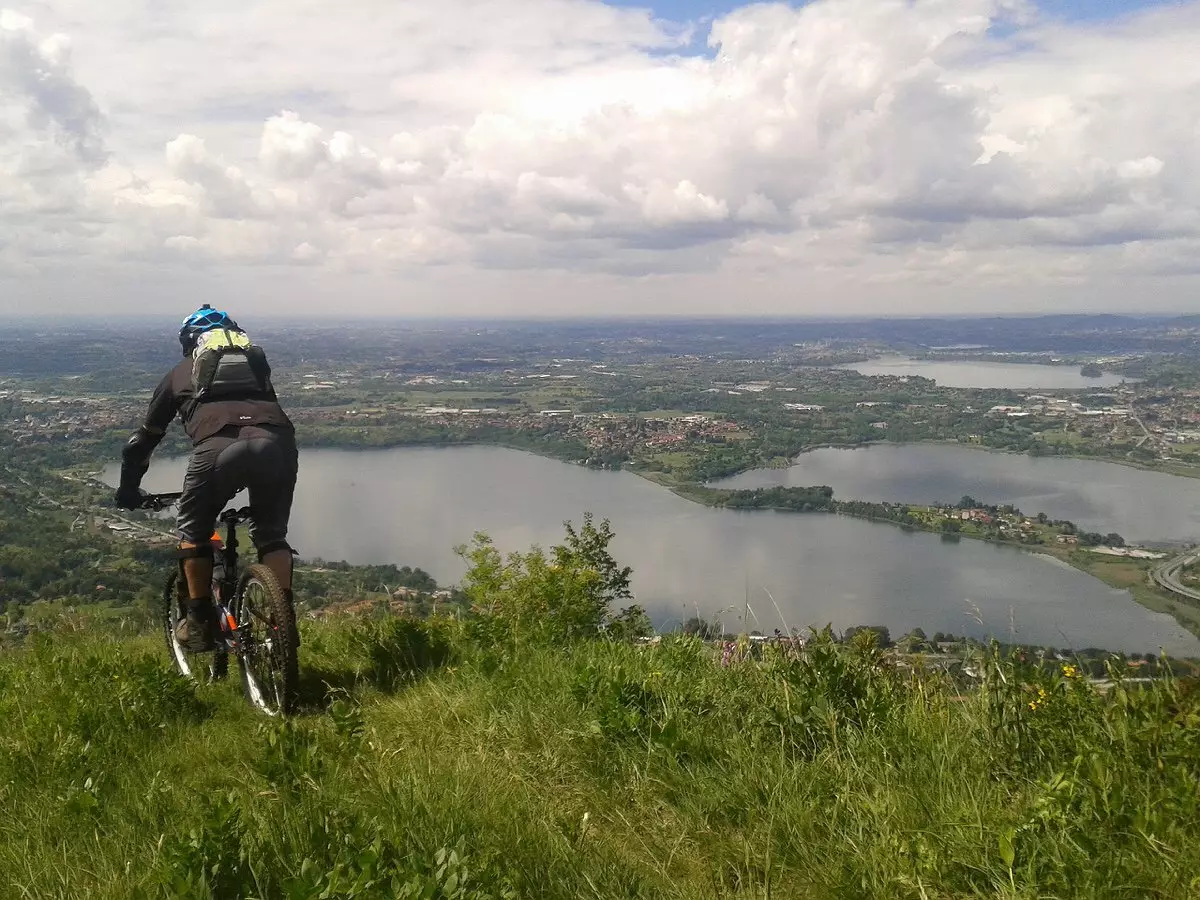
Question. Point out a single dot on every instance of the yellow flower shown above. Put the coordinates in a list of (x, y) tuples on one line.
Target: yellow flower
[(1042, 693), (1070, 671)]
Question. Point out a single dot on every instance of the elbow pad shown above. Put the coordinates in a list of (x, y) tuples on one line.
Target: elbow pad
[(135, 456)]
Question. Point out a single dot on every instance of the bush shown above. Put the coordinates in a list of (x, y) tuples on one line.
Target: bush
[(554, 598)]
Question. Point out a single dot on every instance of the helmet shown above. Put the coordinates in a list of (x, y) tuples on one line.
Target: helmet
[(202, 320)]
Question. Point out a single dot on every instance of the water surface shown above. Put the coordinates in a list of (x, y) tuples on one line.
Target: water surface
[(412, 505), (972, 374), (1137, 504)]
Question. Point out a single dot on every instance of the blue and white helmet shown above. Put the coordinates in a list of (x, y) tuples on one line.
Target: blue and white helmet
[(204, 319)]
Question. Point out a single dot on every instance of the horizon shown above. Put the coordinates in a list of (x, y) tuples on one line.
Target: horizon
[(144, 317)]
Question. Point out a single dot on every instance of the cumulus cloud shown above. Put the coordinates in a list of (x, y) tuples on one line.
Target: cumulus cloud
[(966, 147), (40, 92)]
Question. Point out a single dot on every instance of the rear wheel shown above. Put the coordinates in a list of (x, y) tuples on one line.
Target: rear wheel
[(200, 666), (266, 642)]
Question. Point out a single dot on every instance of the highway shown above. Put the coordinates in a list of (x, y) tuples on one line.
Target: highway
[(1166, 575)]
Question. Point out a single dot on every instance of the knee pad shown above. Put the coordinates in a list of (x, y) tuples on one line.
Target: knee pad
[(272, 546), (183, 554)]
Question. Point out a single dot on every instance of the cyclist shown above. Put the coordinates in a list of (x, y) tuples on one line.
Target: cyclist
[(241, 438)]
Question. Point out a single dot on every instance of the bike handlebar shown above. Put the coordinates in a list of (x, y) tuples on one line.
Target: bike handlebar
[(158, 501)]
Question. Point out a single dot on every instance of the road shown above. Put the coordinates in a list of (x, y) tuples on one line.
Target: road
[(106, 515), (1166, 575)]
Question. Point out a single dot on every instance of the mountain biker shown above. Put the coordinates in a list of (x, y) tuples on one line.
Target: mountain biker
[(241, 438)]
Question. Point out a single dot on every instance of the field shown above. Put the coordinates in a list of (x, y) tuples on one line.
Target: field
[(430, 762)]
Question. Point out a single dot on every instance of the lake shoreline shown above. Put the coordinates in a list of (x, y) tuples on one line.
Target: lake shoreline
[(1147, 596), (1150, 597), (1183, 472), (851, 564), (946, 372)]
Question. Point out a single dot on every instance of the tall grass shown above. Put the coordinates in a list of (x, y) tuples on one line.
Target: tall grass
[(426, 765)]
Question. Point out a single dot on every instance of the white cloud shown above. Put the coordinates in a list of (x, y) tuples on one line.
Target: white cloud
[(663, 204), (290, 148), (879, 152)]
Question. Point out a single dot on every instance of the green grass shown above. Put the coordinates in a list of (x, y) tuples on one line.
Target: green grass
[(423, 765), (1059, 437)]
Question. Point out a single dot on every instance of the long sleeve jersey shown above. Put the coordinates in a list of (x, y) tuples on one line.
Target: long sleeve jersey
[(174, 396)]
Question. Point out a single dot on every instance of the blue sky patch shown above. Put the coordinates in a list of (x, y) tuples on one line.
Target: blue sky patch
[(1075, 10)]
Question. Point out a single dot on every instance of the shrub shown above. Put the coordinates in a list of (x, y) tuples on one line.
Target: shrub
[(554, 598)]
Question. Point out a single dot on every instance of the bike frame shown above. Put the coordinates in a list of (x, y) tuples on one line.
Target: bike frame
[(228, 584), (229, 553), (234, 638)]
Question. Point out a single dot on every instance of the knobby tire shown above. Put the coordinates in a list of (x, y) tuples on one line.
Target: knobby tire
[(170, 613), (274, 672)]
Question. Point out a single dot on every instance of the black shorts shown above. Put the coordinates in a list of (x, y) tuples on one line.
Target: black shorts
[(261, 458)]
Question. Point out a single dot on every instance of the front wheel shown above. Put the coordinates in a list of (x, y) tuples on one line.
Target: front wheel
[(266, 642), (211, 667)]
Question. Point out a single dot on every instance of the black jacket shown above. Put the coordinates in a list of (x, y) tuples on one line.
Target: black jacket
[(201, 420)]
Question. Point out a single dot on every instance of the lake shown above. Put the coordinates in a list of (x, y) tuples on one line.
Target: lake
[(1137, 504), (972, 374), (412, 505)]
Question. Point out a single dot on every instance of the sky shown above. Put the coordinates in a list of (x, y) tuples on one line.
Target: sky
[(571, 157)]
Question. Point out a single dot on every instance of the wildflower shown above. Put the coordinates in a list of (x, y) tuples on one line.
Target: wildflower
[(1070, 671), (727, 651)]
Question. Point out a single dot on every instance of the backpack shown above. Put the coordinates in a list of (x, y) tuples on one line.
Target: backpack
[(226, 364)]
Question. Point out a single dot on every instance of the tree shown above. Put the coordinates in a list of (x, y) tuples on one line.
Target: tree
[(588, 549), (629, 624), (556, 598)]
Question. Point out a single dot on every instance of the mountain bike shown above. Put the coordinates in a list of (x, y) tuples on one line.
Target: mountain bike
[(257, 621)]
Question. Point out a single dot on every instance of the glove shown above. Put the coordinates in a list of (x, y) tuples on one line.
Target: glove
[(130, 497)]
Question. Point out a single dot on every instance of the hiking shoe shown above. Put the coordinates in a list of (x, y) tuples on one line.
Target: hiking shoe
[(197, 632)]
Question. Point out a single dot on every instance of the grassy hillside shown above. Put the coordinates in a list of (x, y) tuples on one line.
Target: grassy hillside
[(451, 760)]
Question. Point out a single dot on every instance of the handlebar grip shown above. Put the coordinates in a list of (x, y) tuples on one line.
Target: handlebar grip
[(158, 501)]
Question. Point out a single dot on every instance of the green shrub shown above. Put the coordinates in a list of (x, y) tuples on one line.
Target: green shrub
[(554, 598)]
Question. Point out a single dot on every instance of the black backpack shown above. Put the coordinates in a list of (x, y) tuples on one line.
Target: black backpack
[(226, 364)]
